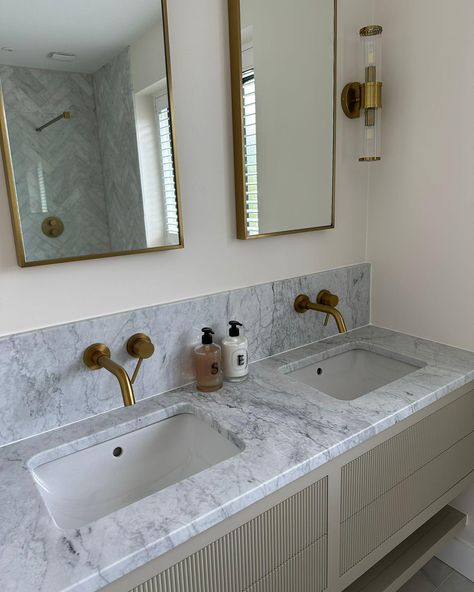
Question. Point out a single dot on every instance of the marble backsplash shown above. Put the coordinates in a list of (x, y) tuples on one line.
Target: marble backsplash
[(45, 384)]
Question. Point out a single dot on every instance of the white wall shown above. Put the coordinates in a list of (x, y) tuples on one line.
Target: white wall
[(147, 58), (421, 214), (213, 259)]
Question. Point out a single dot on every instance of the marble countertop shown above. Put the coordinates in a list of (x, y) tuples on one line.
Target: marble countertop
[(288, 430)]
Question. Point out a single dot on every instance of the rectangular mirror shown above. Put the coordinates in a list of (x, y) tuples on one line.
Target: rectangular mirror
[(283, 65), (87, 129)]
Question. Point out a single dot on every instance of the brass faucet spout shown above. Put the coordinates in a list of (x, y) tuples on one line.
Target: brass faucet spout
[(325, 303), (97, 356), (122, 376), (341, 324)]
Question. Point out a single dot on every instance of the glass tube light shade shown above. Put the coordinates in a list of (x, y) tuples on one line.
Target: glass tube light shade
[(371, 38)]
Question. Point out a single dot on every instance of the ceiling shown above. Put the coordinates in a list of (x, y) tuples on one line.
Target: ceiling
[(94, 30)]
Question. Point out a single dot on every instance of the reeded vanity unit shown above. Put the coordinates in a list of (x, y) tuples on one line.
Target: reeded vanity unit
[(308, 490)]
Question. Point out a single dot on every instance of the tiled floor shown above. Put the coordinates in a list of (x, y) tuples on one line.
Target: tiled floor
[(436, 575)]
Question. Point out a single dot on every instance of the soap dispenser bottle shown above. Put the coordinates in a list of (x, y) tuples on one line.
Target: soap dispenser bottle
[(207, 363), (235, 354)]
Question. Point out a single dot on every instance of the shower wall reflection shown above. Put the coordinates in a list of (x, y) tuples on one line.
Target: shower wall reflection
[(118, 147), (58, 171), (107, 171)]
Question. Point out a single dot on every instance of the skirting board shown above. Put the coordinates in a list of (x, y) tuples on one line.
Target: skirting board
[(459, 555), (391, 572)]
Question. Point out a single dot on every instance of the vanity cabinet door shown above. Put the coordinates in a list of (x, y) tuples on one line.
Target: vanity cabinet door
[(302, 573), (282, 549), (386, 488)]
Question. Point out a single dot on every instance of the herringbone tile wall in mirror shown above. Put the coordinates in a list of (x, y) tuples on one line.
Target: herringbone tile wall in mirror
[(87, 132)]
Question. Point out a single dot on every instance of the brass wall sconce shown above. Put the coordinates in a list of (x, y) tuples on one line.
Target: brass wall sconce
[(367, 96)]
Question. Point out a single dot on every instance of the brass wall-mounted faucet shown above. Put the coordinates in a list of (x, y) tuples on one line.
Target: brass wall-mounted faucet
[(326, 303), (97, 356)]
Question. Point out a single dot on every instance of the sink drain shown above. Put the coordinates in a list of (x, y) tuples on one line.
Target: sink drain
[(319, 371), (118, 451)]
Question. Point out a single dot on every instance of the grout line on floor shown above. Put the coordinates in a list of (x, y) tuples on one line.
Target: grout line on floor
[(447, 577)]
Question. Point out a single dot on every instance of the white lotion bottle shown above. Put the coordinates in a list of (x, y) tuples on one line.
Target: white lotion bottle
[(235, 354)]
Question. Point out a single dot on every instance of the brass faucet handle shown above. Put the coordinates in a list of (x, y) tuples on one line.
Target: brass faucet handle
[(301, 303), (327, 299), (140, 346), (93, 353)]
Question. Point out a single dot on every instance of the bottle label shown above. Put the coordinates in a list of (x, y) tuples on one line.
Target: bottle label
[(215, 368), (240, 360)]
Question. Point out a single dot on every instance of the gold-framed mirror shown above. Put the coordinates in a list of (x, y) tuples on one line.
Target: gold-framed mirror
[(283, 68), (88, 129)]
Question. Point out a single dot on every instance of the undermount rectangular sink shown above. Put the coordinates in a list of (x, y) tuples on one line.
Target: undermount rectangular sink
[(91, 483), (354, 373)]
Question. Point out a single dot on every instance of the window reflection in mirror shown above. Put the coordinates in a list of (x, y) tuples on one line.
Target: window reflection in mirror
[(250, 151), (283, 62), (87, 129)]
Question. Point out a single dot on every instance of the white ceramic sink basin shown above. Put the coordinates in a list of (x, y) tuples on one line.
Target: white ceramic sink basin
[(91, 483), (354, 373)]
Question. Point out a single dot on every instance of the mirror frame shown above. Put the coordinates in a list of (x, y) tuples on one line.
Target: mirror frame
[(11, 187), (235, 39)]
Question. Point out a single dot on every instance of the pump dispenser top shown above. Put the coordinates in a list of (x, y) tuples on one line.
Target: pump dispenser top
[(234, 328), (207, 335)]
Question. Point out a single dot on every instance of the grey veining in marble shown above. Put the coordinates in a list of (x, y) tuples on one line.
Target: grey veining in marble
[(288, 430), (40, 160), (45, 385)]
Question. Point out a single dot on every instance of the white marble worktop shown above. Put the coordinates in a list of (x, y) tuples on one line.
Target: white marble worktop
[(288, 430)]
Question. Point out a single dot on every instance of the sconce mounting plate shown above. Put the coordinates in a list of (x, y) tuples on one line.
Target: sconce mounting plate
[(351, 100), (357, 96)]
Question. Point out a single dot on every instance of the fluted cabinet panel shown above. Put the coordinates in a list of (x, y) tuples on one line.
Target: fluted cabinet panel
[(306, 572), (387, 487), (401, 456), (287, 544)]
